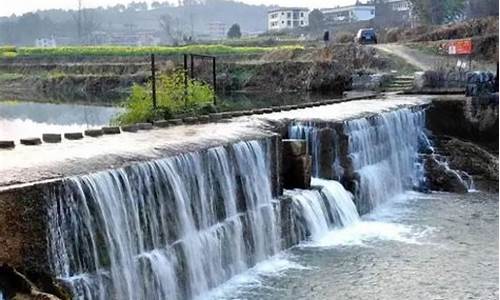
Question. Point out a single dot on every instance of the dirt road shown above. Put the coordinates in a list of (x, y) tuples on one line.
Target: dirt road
[(425, 61)]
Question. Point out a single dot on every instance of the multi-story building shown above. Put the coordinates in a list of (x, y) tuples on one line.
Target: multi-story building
[(349, 14), (46, 43), (399, 5), (217, 30), (287, 18)]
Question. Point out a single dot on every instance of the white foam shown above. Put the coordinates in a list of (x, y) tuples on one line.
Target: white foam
[(254, 277)]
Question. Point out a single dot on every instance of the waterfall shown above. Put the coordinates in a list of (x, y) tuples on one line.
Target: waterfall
[(319, 210), (384, 151), (167, 229)]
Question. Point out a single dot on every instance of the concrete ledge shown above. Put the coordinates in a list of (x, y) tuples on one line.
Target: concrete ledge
[(93, 132), (31, 141), (161, 123), (111, 130), (7, 144), (144, 126), (51, 137), (130, 128), (73, 136)]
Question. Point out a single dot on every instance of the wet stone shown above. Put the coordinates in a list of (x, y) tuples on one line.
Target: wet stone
[(73, 136), (93, 132), (204, 119), (7, 144), (215, 117), (190, 120), (144, 126), (111, 130), (295, 148), (130, 128), (276, 109), (175, 122), (161, 123), (51, 137), (31, 141)]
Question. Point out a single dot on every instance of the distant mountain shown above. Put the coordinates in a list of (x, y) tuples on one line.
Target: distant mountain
[(187, 20)]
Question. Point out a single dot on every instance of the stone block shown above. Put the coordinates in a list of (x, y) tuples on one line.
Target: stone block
[(190, 120), (93, 132), (130, 128), (215, 117), (294, 148), (297, 172), (161, 123), (175, 122), (111, 130), (51, 137), (31, 141), (204, 119), (7, 144), (73, 136), (144, 126)]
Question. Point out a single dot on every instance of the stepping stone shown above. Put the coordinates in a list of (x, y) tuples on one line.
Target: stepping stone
[(175, 122), (191, 120), (93, 132), (7, 144), (130, 128), (144, 126), (31, 141), (161, 123), (216, 116), (73, 136), (111, 130), (51, 137), (204, 119)]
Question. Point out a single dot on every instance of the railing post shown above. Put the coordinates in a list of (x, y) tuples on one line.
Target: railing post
[(185, 79), (153, 80), (214, 73)]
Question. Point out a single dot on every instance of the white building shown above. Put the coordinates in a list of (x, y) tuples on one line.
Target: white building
[(217, 30), (399, 5), (348, 14), (45, 43), (287, 18)]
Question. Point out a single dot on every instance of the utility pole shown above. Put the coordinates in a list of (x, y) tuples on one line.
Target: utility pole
[(79, 21)]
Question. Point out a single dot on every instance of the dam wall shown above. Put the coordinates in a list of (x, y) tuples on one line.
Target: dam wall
[(183, 216)]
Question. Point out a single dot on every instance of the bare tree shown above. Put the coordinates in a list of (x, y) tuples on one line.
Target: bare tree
[(171, 33)]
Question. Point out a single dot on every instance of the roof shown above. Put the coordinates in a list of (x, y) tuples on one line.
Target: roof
[(344, 8), (286, 9)]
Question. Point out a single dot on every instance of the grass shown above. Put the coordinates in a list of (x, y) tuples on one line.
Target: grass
[(72, 51), (10, 76)]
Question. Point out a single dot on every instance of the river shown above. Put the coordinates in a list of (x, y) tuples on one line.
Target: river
[(19, 119), (417, 246)]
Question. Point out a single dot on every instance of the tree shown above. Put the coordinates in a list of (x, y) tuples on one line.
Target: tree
[(481, 8), (171, 35), (438, 11), (234, 32), (316, 20)]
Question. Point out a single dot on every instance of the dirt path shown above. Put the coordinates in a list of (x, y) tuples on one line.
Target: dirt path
[(425, 61), (416, 58)]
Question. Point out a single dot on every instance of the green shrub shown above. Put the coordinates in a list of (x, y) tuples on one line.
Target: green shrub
[(172, 99), (8, 54)]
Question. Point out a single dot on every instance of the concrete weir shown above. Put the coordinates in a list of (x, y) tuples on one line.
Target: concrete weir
[(32, 179)]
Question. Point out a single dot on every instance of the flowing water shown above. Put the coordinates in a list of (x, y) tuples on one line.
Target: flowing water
[(204, 225), (168, 229)]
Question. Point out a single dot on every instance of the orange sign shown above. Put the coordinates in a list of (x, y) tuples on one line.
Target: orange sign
[(460, 47)]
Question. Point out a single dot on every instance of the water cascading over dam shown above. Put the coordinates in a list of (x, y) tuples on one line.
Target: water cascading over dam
[(177, 227), (378, 154), (167, 229)]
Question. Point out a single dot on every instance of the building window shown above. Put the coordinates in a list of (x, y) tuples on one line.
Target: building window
[(372, 12), (301, 22), (289, 15), (302, 14), (289, 23), (282, 13), (282, 22)]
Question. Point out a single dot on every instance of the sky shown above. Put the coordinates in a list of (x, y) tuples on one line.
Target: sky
[(9, 7)]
